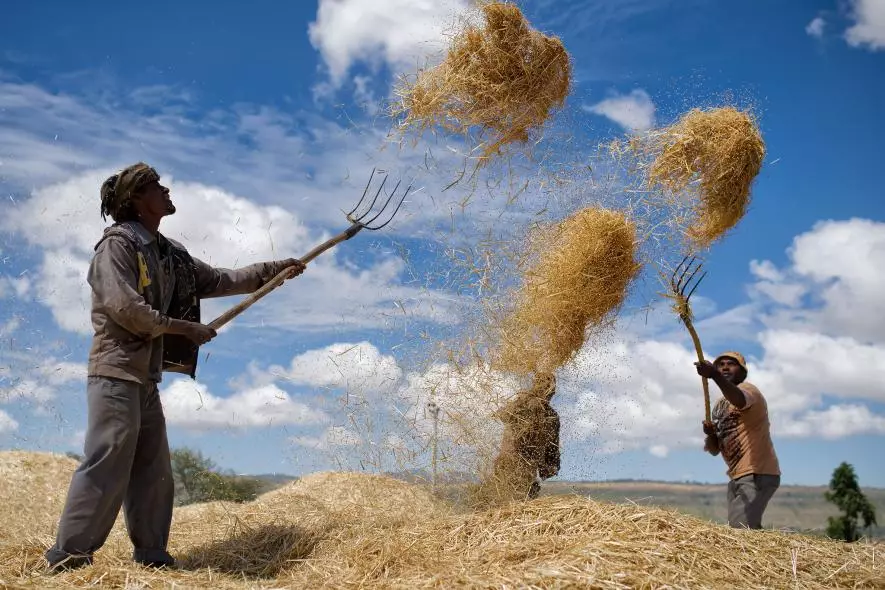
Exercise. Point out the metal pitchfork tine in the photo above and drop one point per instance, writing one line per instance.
(679, 283)
(357, 223)
(359, 219)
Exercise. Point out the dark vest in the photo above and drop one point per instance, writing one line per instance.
(180, 354)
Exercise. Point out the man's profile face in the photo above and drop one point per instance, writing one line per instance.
(154, 200)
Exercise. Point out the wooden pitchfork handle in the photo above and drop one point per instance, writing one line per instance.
(280, 277)
(700, 352)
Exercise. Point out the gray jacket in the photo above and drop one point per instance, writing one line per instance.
(139, 282)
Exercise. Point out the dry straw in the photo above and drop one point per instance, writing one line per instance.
(581, 269)
(302, 540)
(711, 155)
(504, 78)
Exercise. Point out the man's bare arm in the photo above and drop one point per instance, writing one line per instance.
(711, 445)
(732, 392)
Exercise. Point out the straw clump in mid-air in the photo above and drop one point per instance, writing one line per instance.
(308, 536)
(712, 156)
(580, 274)
(504, 78)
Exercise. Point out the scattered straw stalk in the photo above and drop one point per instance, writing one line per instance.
(583, 267)
(504, 78)
(717, 153)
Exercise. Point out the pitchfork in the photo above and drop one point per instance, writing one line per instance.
(358, 222)
(679, 283)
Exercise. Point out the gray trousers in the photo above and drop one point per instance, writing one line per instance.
(126, 464)
(748, 497)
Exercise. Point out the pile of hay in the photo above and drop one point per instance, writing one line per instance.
(362, 496)
(580, 273)
(504, 78)
(33, 488)
(289, 540)
(716, 154)
(570, 541)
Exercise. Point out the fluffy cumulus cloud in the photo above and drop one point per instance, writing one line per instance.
(828, 287)
(192, 406)
(359, 368)
(400, 33)
(634, 111)
(868, 29)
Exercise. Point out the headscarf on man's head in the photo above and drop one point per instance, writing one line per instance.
(117, 190)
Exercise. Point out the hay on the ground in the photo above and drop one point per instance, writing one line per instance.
(360, 495)
(503, 77)
(295, 541)
(716, 154)
(33, 491)
(581, 271)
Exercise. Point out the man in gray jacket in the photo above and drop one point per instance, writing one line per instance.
(146, 292)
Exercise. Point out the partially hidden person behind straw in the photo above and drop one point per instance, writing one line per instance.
(146, 292)
(530, 452)
(741, 431)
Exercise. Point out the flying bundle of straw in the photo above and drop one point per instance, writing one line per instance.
(582, 269)
(723, 150)
(504, 78)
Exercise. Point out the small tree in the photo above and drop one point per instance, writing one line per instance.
(198, 479)
(845, 493)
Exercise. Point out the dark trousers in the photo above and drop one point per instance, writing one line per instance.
(748, 497)
(127, 465)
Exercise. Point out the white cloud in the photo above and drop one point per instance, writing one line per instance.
(18, 287)
(816, 27)
(7, 423)
(817, 363)
(10, 326)
(37, 380)
(835, 422)
(633, 112)
(831, 263)
(190, 405)
(399, 33)
(659, 451)
(359, 368)
(869, 24)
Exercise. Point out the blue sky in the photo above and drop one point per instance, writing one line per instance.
(265, 122)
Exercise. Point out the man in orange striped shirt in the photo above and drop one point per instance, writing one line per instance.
(741, 431)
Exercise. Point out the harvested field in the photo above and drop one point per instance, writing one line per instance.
(308, 535)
